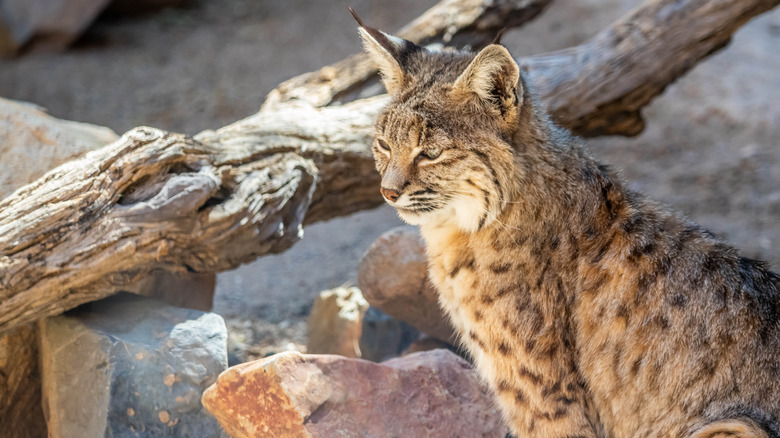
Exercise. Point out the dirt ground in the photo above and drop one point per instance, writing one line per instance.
(709, 150)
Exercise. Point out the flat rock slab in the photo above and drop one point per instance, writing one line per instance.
(393, 276)
(429, 394)
(130, 367)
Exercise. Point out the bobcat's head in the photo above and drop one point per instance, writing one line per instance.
(443, 146)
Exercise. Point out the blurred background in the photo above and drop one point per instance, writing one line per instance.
(710, 148)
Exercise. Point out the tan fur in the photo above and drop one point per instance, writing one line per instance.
(590, 311)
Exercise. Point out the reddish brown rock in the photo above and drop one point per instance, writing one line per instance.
(434, 393)
(393, 276)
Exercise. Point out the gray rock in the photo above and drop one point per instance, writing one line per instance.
(20, 385)
(49, 25)
(384, 337)
(335, 321)
(128, 367)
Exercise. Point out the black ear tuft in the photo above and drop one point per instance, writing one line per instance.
(497, 39)
(355, 16)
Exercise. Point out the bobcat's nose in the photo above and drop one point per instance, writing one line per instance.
(390, 194)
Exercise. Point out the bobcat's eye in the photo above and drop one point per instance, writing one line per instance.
(429, 155)
(383, 144)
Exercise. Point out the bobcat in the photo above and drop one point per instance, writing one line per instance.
(589, 310)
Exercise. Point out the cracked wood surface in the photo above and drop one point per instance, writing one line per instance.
(154, 199)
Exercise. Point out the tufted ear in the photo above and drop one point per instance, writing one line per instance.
(492, 77)
(388, 53)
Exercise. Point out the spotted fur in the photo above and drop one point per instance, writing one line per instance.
(588, 309)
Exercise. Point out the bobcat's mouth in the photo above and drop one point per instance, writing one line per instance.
(421, 209)
(417, 214)
(417, 207)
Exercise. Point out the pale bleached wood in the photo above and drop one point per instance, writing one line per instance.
(154, 199)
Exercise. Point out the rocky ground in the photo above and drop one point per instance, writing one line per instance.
(709, 150)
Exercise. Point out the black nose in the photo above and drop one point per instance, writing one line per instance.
(390, 194)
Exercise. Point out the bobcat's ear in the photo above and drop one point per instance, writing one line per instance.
(493, 77)
(387, 52)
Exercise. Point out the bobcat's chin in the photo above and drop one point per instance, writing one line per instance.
(416, 217)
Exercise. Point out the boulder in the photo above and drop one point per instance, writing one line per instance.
(335, 322)
(32, 142)
(129, 366)
(383, 337)
(429, 394)
(393, 276)
(49, 25)
(20, 385)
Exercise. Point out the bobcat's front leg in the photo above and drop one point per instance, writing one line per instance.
(540, 408)
(531, 372)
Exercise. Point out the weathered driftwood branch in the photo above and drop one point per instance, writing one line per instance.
(99, 224)
(599, 88)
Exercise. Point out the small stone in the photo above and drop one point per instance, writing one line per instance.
(130, 412)
(169, 380)
(164, 417)
(393, 276)
(335, 321)
(429, 394)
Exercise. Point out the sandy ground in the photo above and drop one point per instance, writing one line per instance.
(710, 148)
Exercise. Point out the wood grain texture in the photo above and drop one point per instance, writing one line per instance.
(154, 199)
